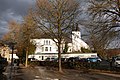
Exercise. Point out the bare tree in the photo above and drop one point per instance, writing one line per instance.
(55, 18)
(12, 34)
(27, 31)
(107, 11)
(22, 33)
(99, 39)
(104, 25)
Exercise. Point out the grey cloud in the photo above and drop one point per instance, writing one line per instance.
(12, 9)
(19, 6)
(16, 9)
(3, 28)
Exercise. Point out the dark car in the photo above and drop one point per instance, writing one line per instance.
(50, 59)
(62, 59)
(73, 59)
(105, 64)
(83, 60)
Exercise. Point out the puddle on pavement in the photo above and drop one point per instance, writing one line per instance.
(38, 78)
(52, 79)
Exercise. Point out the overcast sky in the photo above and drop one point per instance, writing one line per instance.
(12, 10)
(15, 10)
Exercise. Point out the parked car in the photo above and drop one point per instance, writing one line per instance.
(116, 62)
(73, 59)
(83, 60)
(49, 59)
(32, 59)
(104, 64)
(96, 59)
(62, 59)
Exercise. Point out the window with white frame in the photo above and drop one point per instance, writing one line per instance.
(49, 42)
(46, 48)
(42, 49)
(46, 42)
(50, 48)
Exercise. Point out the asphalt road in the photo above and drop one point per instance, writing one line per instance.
(41, 73)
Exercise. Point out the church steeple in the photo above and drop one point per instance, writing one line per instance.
(75, 27)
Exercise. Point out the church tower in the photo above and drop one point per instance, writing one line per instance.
(76, 36)
(76, 32)
(77, 42)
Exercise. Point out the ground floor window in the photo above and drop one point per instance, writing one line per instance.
(50, 48)
(46, 48)
(42, 49)
(42, 57)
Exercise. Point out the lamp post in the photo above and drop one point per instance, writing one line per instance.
(11, 44)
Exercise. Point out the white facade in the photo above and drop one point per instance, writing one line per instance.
(45, 46)
(42, 57)
(14, 56)
(5, 51)
(49, 46)
(77, 42)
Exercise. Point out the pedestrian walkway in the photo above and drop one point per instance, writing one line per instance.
(11, 72)
(110, 74)
(107, 73)
(42, 73)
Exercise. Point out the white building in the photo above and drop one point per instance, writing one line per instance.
(46, 47)
(5, 51)
(77, 42)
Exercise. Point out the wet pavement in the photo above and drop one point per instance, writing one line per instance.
(42, 73)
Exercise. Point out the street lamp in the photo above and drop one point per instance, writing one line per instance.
(11, 44)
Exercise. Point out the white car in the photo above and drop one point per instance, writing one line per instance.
(116, 62)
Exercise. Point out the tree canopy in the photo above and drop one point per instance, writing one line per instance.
(104, 24)
(56, 18)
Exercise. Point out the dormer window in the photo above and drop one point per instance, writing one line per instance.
(46, 42)
(49, 42)
(42, 49)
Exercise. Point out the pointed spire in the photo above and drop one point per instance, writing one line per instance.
(75, 27)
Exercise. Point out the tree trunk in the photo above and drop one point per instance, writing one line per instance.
(59, 58)
(26, 60)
